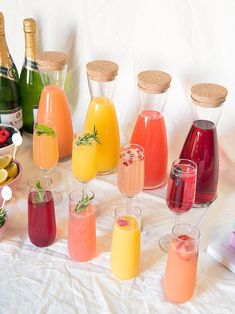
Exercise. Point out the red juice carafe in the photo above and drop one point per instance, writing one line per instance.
(150, 130)
(201, 144)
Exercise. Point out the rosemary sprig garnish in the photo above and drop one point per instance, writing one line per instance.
(3, 216)
(39, 189)
(42, 129)
(87, 138)
(83, 203)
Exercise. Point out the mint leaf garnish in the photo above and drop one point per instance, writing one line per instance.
(40, 193)
(42, 129)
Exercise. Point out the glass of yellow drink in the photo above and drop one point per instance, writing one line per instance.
(125, 252)
(84, 158)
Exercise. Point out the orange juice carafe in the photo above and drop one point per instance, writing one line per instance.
(150, 131)
(101, 113)
(53, 104)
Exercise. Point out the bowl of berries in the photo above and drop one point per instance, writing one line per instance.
(6, 132)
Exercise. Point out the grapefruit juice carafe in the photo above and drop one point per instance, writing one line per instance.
(53, 104)
(201, 144)
(101, 113)
(149, 130)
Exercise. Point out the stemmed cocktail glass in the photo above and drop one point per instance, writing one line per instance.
(131, 172)
(84, 158)
(180, 194)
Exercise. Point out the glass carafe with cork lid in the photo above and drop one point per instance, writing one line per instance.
(53, 105)
(150, 130)
(101, 114)
(201, 144)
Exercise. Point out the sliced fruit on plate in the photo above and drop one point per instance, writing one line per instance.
(12, 170)
(3, 175)
(5, 161)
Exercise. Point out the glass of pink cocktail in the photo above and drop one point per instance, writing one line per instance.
(181, 268)
(131, 171)
(41, 212)
(82, 226)
(180, 194)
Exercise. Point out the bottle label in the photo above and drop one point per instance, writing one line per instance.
(13, 117)
(31, 64)
(35, 112)
(8, 73)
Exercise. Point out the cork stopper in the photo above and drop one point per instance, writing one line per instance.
(102, 70)
(51, 60)
(208, 95)
(2, 30)
(154, 82)
(29, 25)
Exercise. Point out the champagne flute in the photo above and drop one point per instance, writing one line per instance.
(46, 151)
(84, 157)
(180, 194)
(131, 172)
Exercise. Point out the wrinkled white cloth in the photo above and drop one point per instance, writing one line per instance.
(194, 42)
(46, 280)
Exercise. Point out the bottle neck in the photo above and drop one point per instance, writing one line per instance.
(211, 114)
(101, 89)
(5, 61)
(53, 77)
(30, 46)
(154, 102)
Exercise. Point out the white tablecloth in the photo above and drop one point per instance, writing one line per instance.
(46, 280)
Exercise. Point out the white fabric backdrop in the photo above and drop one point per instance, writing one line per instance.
(194, 41)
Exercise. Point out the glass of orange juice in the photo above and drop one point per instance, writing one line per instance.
(181, 268)
(82, 226)
(45, 146)
(84, 158)
(125, 252)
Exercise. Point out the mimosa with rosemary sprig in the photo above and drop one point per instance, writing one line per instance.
(84, 159)
(82, 226)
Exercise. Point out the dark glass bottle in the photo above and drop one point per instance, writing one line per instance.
(10, 109)
(30, 80)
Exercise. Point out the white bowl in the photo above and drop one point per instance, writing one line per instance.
(10, 148)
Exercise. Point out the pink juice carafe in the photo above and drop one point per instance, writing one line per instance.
(201, 144)
(53, 104)
(150, 131)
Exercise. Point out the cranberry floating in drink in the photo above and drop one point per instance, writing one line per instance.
(201, 145)
(150, 131)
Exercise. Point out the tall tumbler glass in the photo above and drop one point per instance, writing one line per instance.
(41, 212)
(181, 269)
(81, 227)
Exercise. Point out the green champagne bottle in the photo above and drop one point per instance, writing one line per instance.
(30, 80)
(10, 109)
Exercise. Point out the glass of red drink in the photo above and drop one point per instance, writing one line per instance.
(41, 212)
(180, 194)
